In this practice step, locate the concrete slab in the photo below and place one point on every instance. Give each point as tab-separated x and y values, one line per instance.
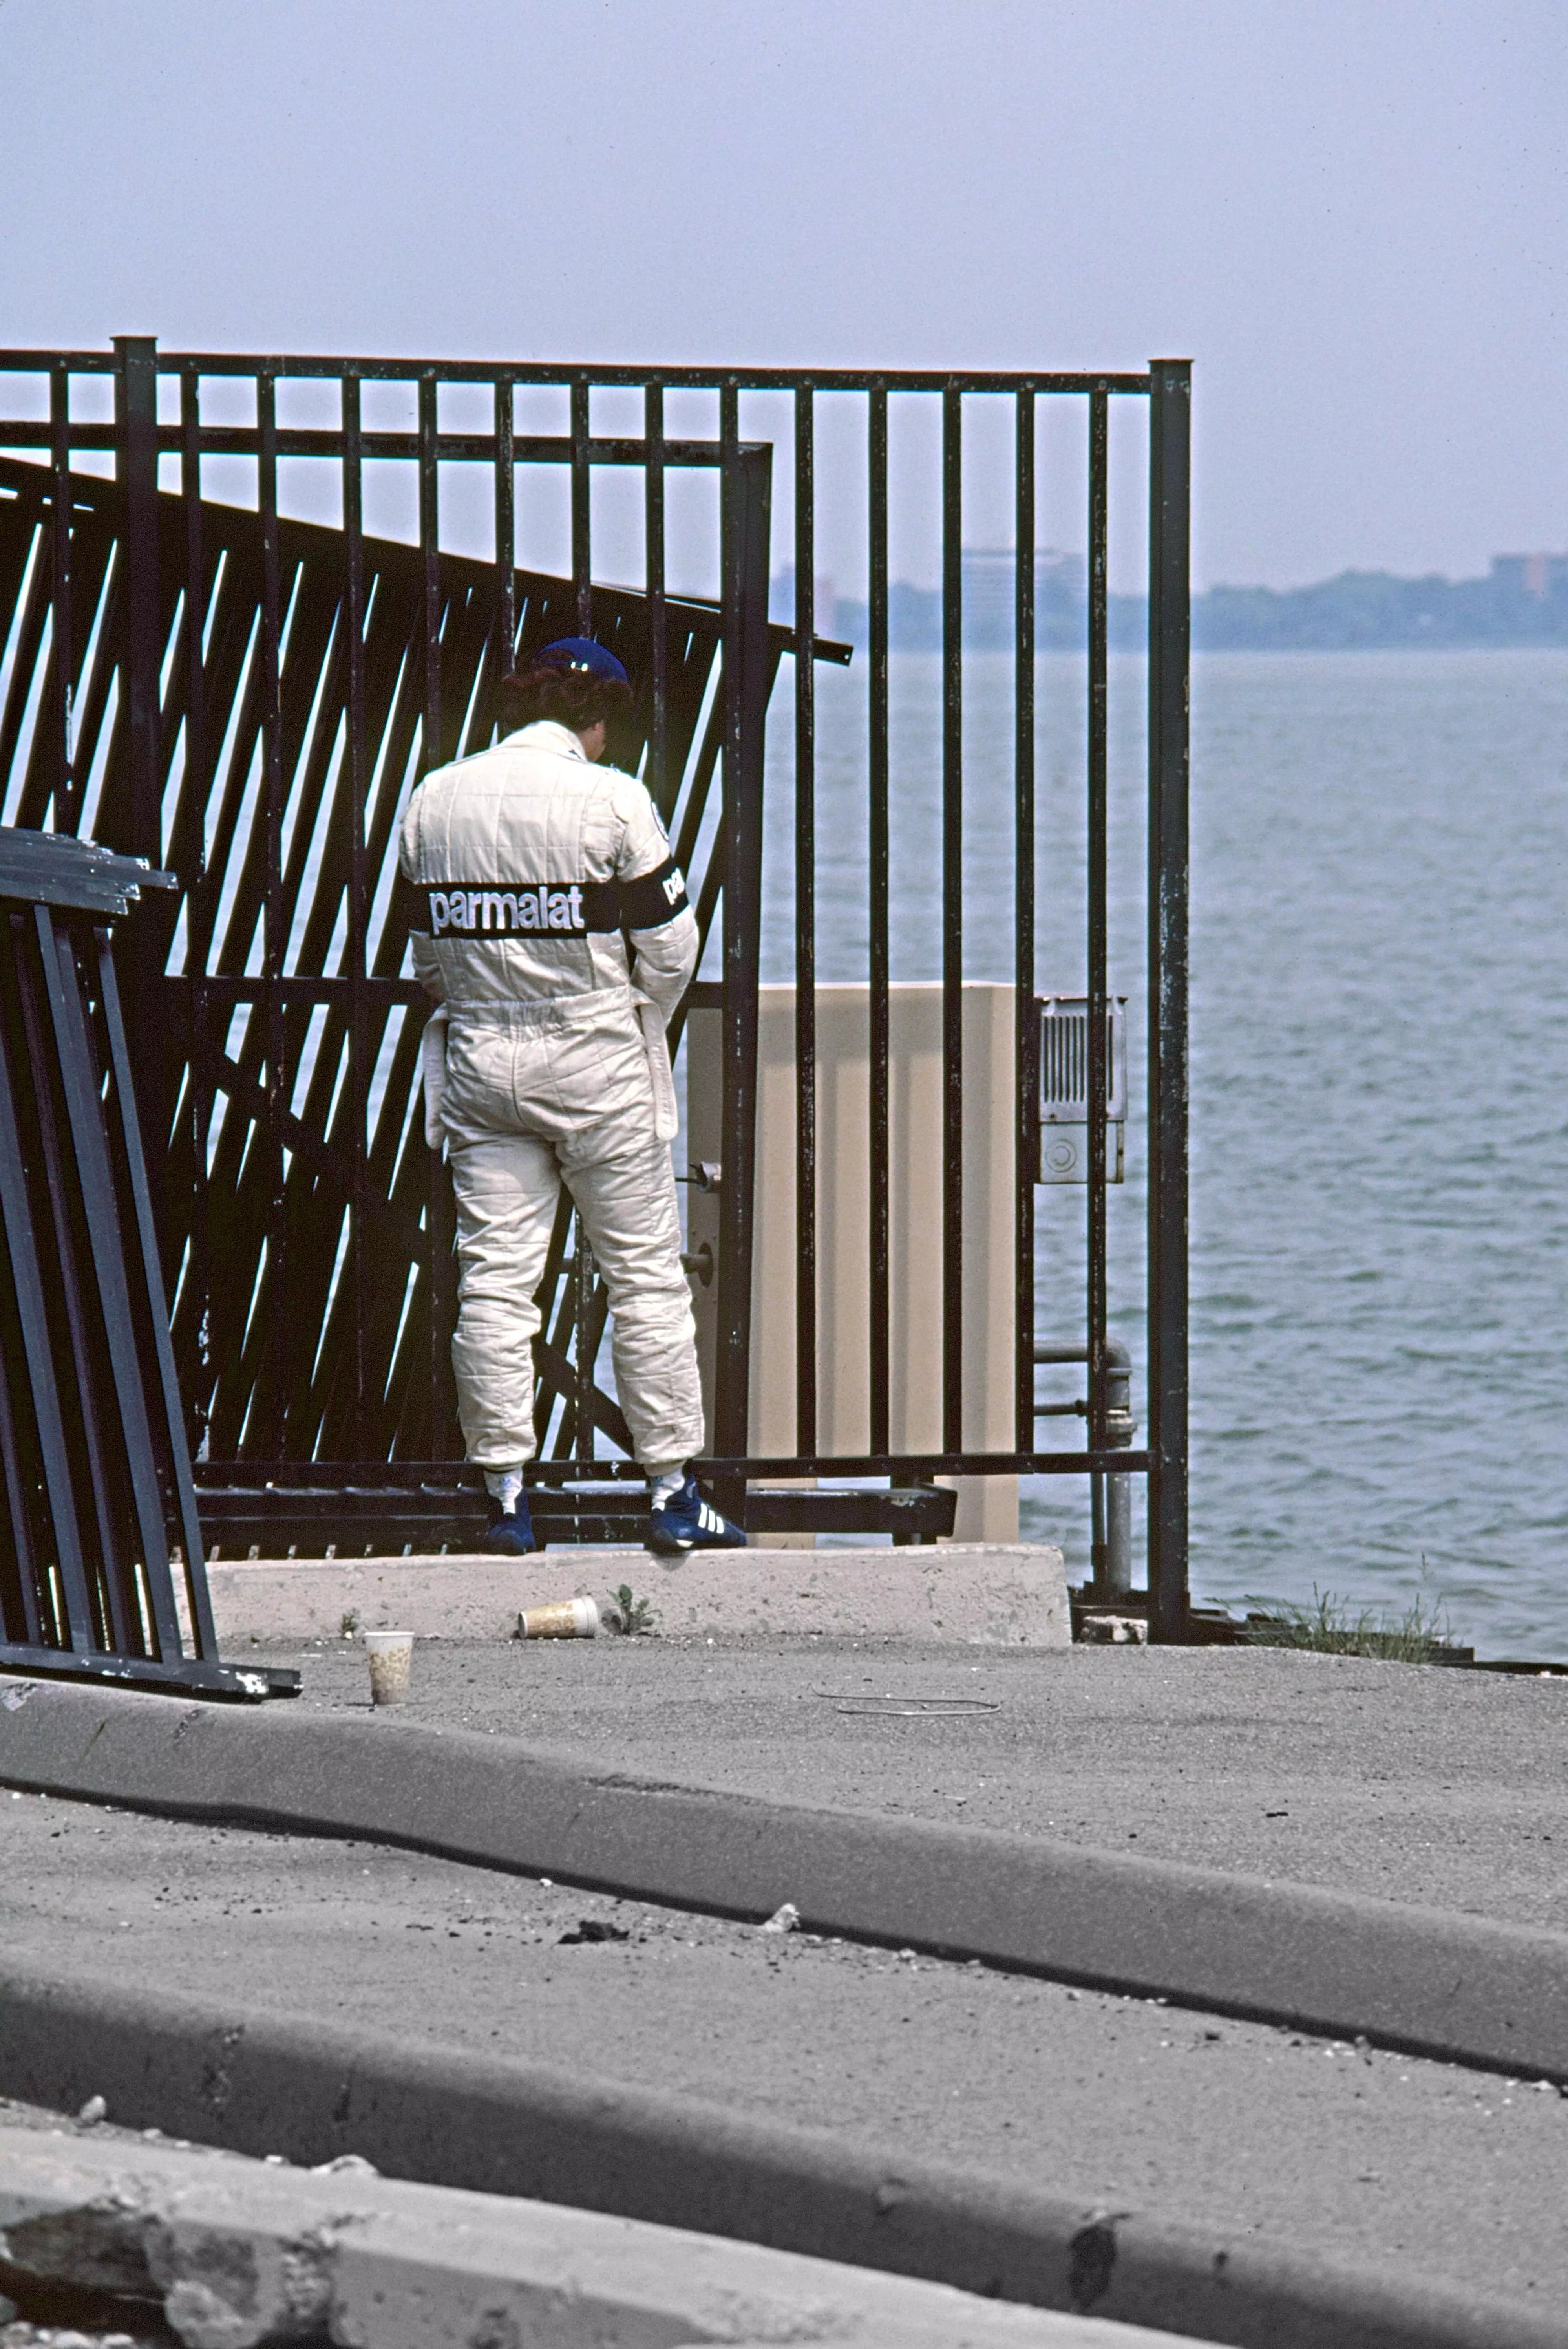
1404	1782
1403	1976
982	1594
240	2252
292	1996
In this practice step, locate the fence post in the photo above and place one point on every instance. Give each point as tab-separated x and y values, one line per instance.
136	434
142	953
1169	477
748	486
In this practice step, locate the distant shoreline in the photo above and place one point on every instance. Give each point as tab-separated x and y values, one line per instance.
1521	605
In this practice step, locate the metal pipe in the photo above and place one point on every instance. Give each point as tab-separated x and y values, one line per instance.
1111	1552
1112	1560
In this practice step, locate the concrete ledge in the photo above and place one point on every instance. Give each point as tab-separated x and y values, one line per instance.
1433	1982
314	2092
236	2254
978	1594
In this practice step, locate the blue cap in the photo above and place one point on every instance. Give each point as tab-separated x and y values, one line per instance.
581	653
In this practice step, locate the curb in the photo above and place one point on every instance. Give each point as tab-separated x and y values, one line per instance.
991	1595
239	2253
1430	1982
313	2091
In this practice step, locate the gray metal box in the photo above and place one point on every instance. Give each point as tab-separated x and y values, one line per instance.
1064	1088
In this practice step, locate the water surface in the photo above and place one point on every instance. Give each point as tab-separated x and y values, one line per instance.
1381	1105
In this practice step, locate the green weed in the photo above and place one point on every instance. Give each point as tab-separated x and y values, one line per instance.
629	1614
1331	1628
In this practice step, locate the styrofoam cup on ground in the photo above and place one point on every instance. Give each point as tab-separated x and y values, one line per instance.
390	1655
561	1619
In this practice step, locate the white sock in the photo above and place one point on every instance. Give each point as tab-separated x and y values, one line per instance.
505	1486
663	1482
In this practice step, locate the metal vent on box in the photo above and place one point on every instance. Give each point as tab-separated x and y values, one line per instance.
1064	1088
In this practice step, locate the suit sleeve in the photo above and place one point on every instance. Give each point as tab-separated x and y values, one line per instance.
426	961
654	908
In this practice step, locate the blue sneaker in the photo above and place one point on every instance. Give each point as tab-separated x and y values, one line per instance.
509	1533
683	1520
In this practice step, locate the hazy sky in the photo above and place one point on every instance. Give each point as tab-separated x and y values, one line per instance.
1350	214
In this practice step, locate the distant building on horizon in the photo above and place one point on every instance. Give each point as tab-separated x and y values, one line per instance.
782	600
1530	575
1522	600
990	583
990	577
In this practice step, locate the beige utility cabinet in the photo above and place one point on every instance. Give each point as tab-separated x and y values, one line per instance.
988	1506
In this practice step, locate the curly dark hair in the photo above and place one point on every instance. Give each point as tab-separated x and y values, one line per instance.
550	689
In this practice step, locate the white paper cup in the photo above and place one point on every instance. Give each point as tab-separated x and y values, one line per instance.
390	1655
562	1618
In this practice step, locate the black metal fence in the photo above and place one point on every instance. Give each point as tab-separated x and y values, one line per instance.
247	698
103	1540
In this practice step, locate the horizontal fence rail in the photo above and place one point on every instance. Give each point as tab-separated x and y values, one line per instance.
247	697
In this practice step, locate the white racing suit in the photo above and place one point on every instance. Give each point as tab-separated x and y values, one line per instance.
530	863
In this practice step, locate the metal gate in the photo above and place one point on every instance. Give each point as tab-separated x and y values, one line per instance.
246	699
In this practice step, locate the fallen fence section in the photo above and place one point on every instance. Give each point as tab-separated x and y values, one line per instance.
99	1497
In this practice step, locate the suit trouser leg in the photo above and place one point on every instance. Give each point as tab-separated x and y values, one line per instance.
624	1185
508	1186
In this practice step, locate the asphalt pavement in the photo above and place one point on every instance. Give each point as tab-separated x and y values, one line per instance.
1421	1784
1357	2154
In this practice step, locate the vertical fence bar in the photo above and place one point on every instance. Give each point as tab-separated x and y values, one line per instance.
805	924
745	478
505	488
438	1214
658	626
880	1301
137	431
582	507
1025	1024
274	938
432	747
1169	491
358	766
142	826
952	918
200	912
163	1388
26	1243
505	526
1099	450
582	581
730	1433
73	1365
67	800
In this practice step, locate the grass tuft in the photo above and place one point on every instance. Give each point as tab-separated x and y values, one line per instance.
1330	1628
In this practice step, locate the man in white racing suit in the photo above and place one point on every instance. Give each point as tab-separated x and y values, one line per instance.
556	940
